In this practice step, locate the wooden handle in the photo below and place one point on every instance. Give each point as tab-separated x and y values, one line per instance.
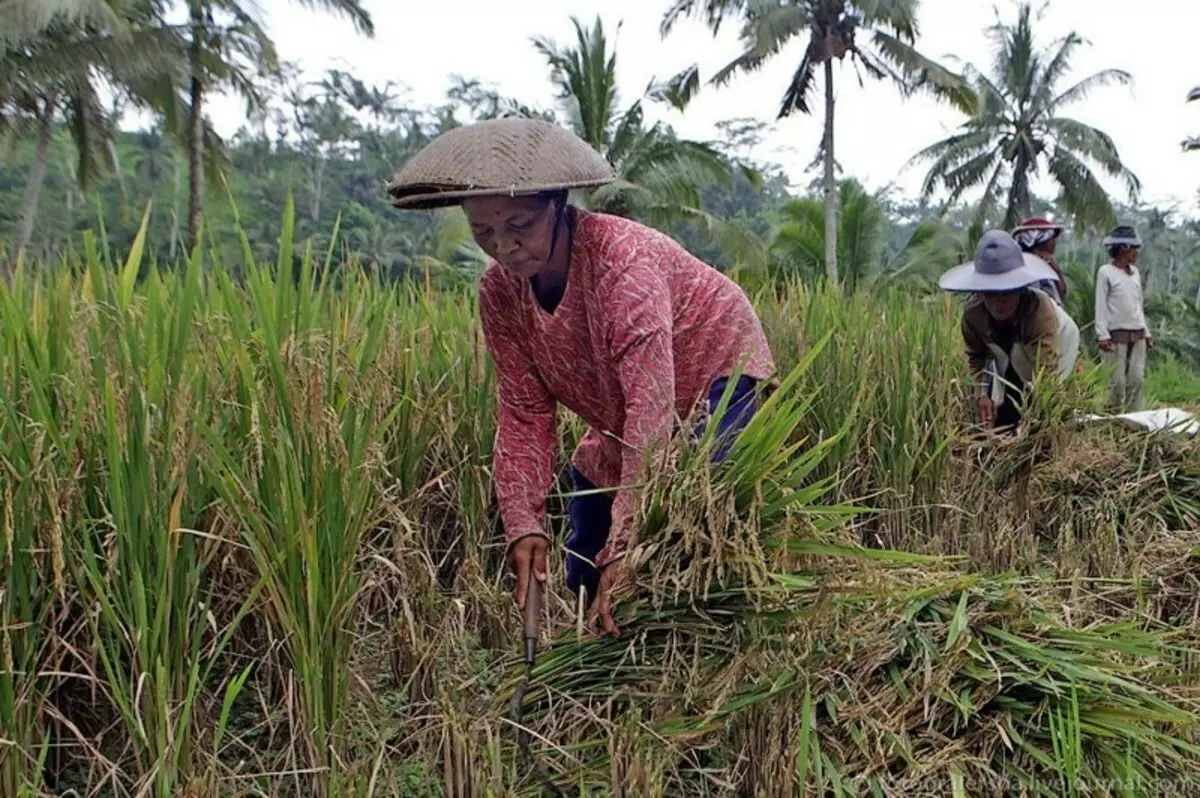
533	608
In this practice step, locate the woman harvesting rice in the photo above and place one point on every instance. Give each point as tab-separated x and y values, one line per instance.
600	314
1009	321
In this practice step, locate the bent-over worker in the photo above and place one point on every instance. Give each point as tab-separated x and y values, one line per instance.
1007	320
597	313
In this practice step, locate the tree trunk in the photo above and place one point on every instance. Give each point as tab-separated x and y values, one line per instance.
831	221
174	212
33	189
196	129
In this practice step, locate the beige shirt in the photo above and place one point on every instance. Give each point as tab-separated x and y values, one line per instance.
1119	302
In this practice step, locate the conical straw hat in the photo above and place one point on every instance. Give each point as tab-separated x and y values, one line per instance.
508	157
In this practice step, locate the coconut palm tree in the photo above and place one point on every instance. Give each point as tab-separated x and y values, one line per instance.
228	47
660	176
1019	129
1192	142
53	72
876	36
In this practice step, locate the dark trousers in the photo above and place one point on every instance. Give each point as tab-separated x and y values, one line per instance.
590	516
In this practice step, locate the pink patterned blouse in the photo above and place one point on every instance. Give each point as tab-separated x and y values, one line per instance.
641	332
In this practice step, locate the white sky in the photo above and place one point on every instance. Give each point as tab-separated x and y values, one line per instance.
420	44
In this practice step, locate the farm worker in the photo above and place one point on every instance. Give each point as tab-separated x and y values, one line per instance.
1039	237
597	313
1121	328
1007	320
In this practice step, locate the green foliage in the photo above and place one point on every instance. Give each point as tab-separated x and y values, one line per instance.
660	177
879	37
1018	130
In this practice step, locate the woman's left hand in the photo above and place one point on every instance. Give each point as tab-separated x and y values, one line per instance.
614	580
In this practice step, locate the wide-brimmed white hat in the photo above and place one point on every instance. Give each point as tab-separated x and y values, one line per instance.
999	266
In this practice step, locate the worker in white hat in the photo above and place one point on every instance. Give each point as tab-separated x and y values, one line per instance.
1009	321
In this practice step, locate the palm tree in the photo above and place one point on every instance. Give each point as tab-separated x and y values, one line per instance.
228	46
660	176
1192	142
830	29
52	71
25	20
1019	129
862	242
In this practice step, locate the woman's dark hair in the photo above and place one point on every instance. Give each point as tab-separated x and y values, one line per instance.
559	199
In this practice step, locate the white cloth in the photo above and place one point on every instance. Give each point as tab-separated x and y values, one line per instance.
1119	304
1165	418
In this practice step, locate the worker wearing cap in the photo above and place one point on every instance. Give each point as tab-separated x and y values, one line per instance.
1039	237
1008	320
597	313
1121	329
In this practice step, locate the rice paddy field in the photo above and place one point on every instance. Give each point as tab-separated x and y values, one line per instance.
250	549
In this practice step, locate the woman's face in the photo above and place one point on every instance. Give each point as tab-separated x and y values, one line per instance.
515	231
1002	307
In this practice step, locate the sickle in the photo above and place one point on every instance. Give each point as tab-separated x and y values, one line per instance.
530	617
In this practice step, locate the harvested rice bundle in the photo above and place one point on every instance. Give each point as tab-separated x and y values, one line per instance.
767	654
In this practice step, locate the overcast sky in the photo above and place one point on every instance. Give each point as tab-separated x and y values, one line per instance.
419	45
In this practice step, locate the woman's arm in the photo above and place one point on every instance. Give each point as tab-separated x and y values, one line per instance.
523	460
638	306
1102	333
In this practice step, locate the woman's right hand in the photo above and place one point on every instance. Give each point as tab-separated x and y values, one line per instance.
528	555
1106	345
987	411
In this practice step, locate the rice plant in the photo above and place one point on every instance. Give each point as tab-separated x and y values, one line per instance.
251	548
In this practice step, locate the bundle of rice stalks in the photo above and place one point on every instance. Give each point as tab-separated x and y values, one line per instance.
766	653
907	690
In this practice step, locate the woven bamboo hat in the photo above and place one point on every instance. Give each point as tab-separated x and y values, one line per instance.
511	156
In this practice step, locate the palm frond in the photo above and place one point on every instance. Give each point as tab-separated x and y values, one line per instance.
352	10
1054	69
897	16
795	97
1096	145
742	246
22	21
949	155
800	238
627	134
678	90
1080	91
714	12
970	174
763	36
917	72
1079	190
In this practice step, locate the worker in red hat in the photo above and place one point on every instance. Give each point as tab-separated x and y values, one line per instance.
1039	237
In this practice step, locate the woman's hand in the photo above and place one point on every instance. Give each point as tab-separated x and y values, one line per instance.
528	554
987	411
614	580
